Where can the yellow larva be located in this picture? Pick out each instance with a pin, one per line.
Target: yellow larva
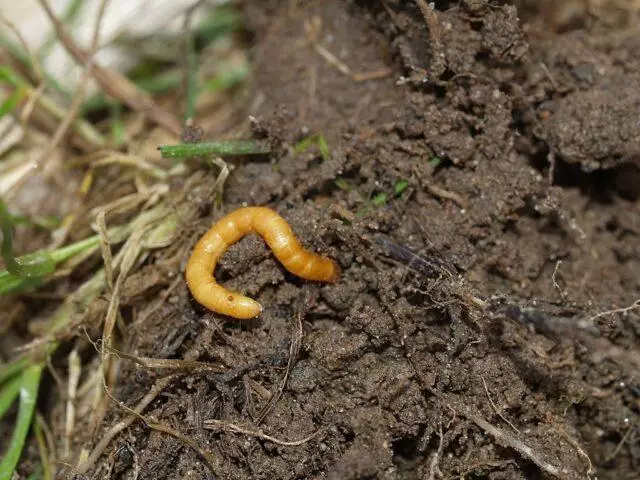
(276, 233)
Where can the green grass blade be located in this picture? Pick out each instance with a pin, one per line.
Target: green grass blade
(8, 394)
(20, 54)
(9, 282)
(227, 78)
(9, 370)
(323, 147)
(400, 187)
(33, 265)
(222, 149)
(8, 75)
(221, 22)
(29, 385)
(12, 101)
(14, 284)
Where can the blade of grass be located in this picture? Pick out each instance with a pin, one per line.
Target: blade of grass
(221, 149)
(226, 79)
(379, 199)
(21, 55)
(400, 187)
(323, 147)
(29, 385)
(10, 282)
(222, 21)
(304, 144)
(318, 140)
(10, 369)
(8, 394)
(8, 75)
(12, 101)
(29, 266)
(42, 450)
(158, 83)
(83, 128)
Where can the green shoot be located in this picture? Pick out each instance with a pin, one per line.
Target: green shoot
(12, 101)
(323, 147)
(227, 78)
(220, 149)
(379, 199)
(46, 222)
(221, 22)
(317, 140)
(400, 186)
(9, 370)
(29, 385)
(9, 76)
(8, 394)
(19, 53)
(435, 161)
(117, 127)
(342, 184)
(80, 126)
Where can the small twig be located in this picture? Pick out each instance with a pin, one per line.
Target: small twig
(549, 76)
(506, 439)
(218, 186)
(166, 363)
(332, 60)
(633, 306)
(495, 408)
(166, 429)
(112, 82)
(211, 461)
(615, 452)
(294, 351)
(121, 425)
(433, 467)
(440, 192)
(37, 70)
(576, 445)
(78, 98)
(313, 30)
(230, 427)
(437, 64)
(563, 293)
(105, 249)
(136, 463)
(374, 75)
(75, 368)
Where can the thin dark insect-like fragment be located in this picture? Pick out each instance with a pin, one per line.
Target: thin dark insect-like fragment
(431, 268)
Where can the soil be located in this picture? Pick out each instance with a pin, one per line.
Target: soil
(481, 197)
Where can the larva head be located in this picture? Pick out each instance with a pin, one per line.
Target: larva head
(239, 306)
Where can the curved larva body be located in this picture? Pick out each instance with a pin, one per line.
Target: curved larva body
(231, 228)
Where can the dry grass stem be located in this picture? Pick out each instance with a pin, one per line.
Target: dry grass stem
(113, 83)
(230, 427)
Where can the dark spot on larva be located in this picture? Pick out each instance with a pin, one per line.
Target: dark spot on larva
(230, 298)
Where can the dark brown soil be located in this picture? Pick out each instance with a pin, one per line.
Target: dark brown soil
(463, 339)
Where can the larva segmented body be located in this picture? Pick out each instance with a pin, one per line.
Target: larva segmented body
(279, 237)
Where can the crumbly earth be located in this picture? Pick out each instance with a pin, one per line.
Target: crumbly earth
(481, 196)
